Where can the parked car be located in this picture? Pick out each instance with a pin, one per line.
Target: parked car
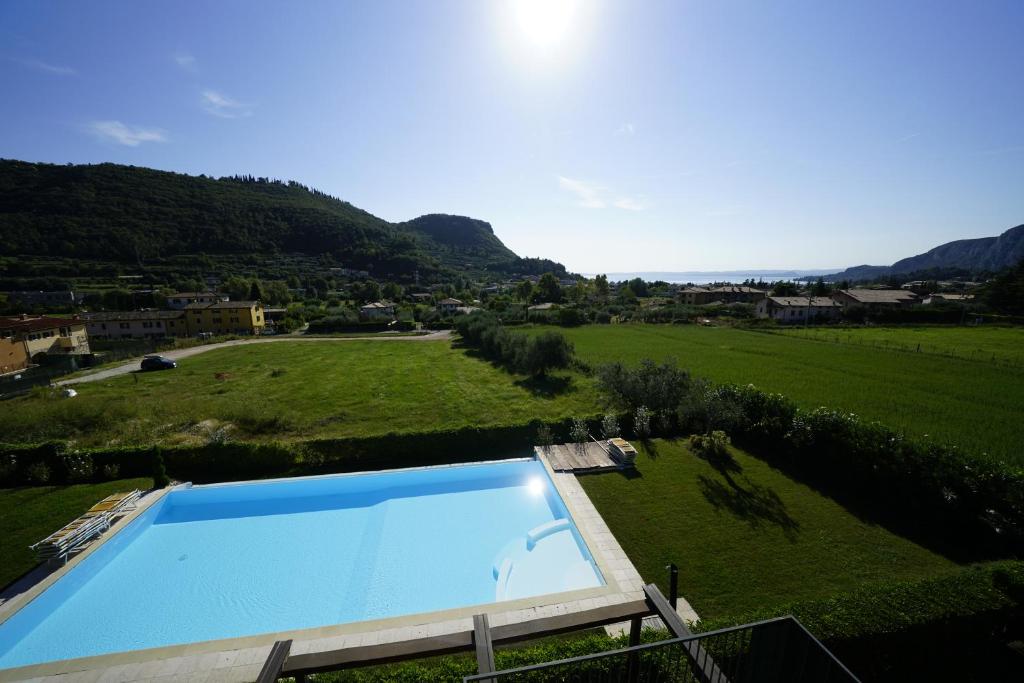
(158, 363)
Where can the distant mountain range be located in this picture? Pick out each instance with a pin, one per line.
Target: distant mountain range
(139, 216)
(984, 254)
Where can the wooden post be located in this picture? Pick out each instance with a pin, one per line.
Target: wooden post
(636, 625)
(483, 645)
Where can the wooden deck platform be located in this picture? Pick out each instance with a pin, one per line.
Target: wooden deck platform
(570, 457)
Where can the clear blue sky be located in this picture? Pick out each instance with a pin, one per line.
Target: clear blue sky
(610, 136)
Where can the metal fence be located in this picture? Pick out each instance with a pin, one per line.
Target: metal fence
(775, 651)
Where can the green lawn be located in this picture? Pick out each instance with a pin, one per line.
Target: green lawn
(299, 391)
(32, 513)
(972, 403)
(1000, 345)
(746, 538)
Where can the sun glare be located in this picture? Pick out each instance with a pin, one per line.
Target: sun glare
(535, 486)
(545, 22)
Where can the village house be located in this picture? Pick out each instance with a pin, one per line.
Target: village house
(947, 297)
(726, 294)
(693, 296)
(182, 300)
(378, 310)
(47, 336)
(13, 355)
(449, 306)
(421, 298)
(798, 309)
(136, 324)
(225, 317)
(875, 298)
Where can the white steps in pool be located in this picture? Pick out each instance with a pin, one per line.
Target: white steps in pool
(548, 560)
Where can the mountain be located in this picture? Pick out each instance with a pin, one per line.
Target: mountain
(131, 215)
(984, 254)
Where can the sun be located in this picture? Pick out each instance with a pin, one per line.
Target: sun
(545, 22)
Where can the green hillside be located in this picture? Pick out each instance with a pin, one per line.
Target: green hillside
(137, 216)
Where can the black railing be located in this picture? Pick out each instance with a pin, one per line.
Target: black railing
(775, 651)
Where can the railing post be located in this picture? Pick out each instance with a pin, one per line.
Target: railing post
(636, 625)
(673, 585)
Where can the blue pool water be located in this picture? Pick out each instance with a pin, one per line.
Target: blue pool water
(231, 560)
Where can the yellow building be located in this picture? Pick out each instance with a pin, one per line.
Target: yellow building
(225, 317)
(46, 335)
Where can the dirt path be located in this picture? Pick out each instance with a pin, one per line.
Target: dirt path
(178, 354)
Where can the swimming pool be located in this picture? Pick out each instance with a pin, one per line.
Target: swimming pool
(231, 560)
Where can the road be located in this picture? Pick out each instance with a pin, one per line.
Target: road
(178, 354)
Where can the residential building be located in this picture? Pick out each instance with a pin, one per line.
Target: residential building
(546, 306)
(798, 309)
(136, 324)
(694, 296)
(725, 294)
(378, 310)
(449, 306)
(13, 355)
(736, 294)
(875, 298)
(421, 298)
(47, 335)
(947, 297)
(225, 317)
(181, 300)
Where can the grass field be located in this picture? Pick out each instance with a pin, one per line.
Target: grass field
(32, 513)
(298, 391)
(999, 345)
(974, 404)
(746, 537)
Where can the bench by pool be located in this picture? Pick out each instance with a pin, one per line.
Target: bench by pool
(232, 560)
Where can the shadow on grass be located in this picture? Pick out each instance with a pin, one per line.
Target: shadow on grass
(755, 504)
(547, 386)
(962, 541)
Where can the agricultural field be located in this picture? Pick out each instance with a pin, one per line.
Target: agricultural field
(29, 514)
(972, 403)
(998, 345)
(744, 535)
(298, 391)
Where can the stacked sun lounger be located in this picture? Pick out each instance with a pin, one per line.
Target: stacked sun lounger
(622, 451)
(71, 537)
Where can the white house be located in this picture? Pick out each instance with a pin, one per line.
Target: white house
(798, 309)
(378, 310)
(449, 306)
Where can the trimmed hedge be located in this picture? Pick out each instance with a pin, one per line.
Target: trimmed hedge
(950, 627)
(939, 485)
(235, 460)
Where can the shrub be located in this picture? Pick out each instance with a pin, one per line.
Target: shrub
(545, 438)
(517, 352)
(78, 466)
(160, 478)
(661, 388)
(579, 432)
(610, 426)
(711, 446)
(642, 422)
(111, 471)
(37, 473)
